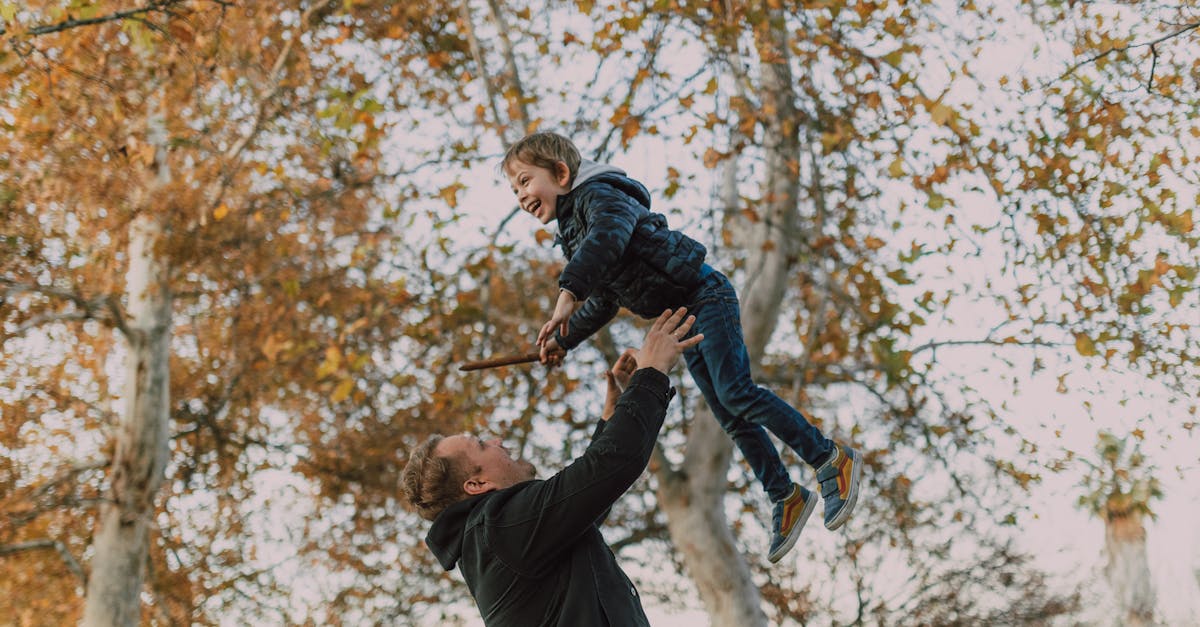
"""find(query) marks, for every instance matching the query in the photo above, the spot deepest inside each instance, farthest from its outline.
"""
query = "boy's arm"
(589, 318)
(611, 217)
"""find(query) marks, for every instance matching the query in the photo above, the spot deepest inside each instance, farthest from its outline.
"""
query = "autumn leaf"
(342, 391)
(449, 194)
(941, 114)
(1084, 345)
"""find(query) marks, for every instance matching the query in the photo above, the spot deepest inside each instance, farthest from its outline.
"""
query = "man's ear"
(562, 173)
(475, 486)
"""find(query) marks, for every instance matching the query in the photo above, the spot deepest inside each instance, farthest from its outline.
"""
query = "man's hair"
(544, 150)
(433, 483)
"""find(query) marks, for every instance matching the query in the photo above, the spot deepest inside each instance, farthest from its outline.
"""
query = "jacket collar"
(588, 170)
(446, 533)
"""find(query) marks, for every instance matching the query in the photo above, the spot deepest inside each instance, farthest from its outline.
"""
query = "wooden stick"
(496, 362)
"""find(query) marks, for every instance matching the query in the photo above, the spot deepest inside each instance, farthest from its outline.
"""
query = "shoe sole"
(790, 541)
(852, 498)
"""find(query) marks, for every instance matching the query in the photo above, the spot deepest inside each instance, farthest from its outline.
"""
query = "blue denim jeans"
(720, 366)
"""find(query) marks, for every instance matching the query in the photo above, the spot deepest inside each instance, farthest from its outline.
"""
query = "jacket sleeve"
(540, 523)
(611, 217)
(595, 312)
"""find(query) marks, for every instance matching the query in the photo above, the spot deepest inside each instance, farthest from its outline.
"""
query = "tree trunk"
(692, 496)
(1128, 569)
(123, 527)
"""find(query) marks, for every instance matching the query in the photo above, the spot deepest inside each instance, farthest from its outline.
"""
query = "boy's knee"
(739, 399)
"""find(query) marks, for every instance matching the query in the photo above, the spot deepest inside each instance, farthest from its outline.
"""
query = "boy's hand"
(551, 354)
(618, 379)
(663, 346)
(558, 322)
(622, 371)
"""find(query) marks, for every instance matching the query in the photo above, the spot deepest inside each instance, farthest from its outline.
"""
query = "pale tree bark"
(692, 496)
(123, 526)
(1128, 568)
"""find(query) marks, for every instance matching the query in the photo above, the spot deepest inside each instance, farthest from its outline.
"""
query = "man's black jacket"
(532, 554)
(619, 253)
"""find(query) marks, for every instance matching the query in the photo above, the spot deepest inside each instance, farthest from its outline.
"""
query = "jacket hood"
(612, 175)
(445, 536)
(590, 169)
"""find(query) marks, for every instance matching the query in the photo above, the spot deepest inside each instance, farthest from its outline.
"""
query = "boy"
(620, 254)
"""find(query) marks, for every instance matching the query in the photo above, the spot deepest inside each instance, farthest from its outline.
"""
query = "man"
(531, 551)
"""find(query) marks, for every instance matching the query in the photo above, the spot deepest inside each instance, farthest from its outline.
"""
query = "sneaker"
(839, 477)
(788, 519)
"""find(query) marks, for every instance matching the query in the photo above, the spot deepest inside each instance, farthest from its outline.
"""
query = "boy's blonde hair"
(544, 150)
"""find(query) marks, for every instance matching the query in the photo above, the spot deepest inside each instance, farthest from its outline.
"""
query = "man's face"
(497, 468)
(537, 189)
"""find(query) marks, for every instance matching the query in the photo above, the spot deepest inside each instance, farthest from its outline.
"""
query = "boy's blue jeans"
(720, 366)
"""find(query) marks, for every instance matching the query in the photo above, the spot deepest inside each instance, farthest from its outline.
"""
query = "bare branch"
(35, 545)
(477, 54)
(1150, 44)
(104, 308)
(265, 99)
(159, 6)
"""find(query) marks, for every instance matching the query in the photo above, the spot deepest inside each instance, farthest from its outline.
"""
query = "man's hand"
(551, 353)
(618, 379)
(622, 371)
(662, 346)
(558, 322)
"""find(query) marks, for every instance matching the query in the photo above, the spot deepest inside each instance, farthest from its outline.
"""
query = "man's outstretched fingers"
(691, 341)
(683, 327)
(661, 322)
(676, 316)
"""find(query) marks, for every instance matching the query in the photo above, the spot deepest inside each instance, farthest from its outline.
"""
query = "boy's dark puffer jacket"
(620, 254)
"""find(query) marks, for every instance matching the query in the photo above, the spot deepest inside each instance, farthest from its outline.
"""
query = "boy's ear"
(562, 173)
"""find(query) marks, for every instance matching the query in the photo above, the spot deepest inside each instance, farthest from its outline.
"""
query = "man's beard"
(527, 470)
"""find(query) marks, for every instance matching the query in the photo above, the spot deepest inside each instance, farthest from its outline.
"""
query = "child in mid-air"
(620, 254)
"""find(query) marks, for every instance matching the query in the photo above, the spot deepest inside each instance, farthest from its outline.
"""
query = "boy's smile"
(537, 188)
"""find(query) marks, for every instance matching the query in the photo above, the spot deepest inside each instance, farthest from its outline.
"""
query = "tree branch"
(46, 543)
(135, 13)
(1150, 44)
(104, 308)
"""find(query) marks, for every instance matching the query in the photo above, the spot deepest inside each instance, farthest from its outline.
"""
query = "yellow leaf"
(356, 326)
(896, 169)
(333, 360)
(1084, 345)
(342, 391)
(941, 114)
(542, 236)
(220, 212)
(450, 194)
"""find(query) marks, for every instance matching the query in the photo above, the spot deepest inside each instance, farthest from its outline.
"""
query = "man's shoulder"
(496, 502)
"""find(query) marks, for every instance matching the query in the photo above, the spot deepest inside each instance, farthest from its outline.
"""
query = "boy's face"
(537, 189)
